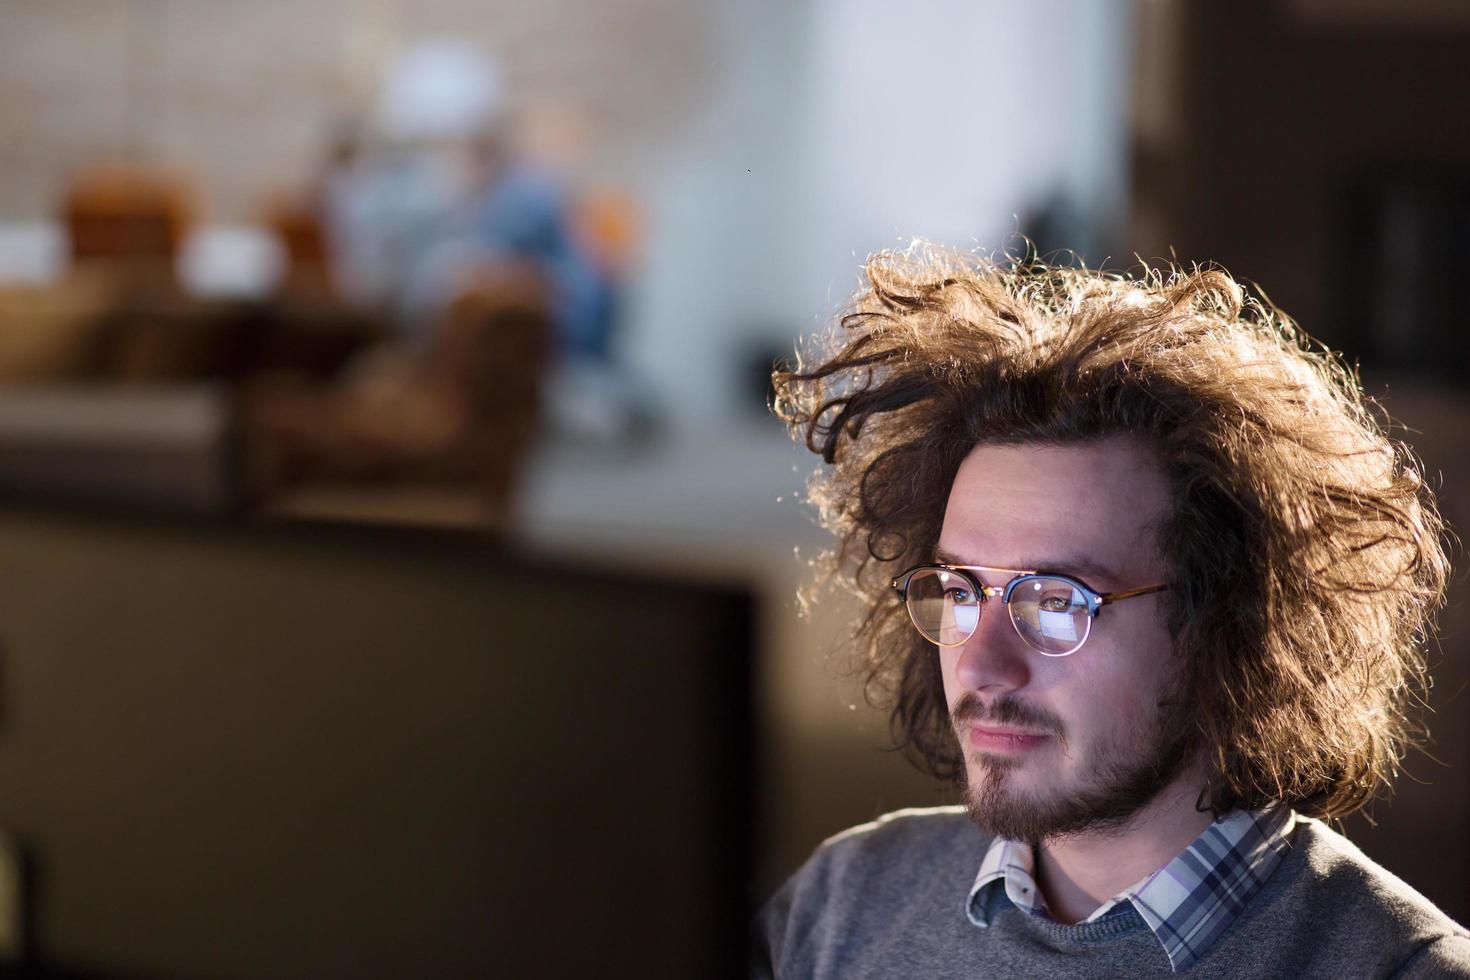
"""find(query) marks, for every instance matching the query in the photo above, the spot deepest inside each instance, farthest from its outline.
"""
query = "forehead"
(1059, 508)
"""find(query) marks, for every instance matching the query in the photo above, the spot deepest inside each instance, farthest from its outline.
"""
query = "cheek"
(949, 658)
(1102, 694)
(1118, 696)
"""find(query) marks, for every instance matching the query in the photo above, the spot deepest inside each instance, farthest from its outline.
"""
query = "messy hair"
(1304, 550)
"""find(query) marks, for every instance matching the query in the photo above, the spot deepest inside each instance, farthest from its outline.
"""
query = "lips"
(999, 738)
(1006, 725)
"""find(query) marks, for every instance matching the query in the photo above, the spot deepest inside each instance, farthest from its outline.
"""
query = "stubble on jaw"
(1118, 781)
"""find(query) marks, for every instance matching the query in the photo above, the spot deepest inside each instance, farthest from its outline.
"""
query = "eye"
(1055, 603)
(957, 595)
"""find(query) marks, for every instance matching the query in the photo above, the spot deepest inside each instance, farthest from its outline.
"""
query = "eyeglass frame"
(1095, 599)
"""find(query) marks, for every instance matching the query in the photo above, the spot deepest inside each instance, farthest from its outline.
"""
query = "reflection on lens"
(1050, 614)
(943, 605)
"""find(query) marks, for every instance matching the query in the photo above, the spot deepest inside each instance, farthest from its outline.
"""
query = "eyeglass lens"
(1050, 614)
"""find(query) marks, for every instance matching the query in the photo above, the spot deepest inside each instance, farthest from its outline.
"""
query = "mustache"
(970, 710)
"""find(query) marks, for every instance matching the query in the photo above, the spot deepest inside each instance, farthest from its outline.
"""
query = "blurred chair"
(127, 223)
(465, 413)
(133, 213)
(53, 334)
(298, 223)
(494, 351)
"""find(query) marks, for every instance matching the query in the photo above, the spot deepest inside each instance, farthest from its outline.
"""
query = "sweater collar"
(1187, 904)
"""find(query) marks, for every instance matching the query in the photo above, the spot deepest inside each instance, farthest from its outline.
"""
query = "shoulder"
(901, 836)
(1448, 956)
(1350, 897)
(1360, 886)
(860, 882)
(892, 855)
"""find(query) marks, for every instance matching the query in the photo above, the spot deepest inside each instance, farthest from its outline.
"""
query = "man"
(1147, 580)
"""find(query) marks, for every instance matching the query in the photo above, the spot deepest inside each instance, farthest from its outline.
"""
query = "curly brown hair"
(1306, 553)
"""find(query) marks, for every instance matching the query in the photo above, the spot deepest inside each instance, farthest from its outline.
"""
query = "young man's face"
(1055, 745)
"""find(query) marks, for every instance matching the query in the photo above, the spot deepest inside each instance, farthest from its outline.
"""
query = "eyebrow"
(1078, 565)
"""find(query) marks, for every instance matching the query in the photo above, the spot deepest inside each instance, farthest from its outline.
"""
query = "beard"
(1119, 779)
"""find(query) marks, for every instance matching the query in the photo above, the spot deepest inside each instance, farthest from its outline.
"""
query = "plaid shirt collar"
(1188, 903)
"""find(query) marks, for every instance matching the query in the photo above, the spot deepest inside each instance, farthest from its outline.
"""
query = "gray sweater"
(887, 900)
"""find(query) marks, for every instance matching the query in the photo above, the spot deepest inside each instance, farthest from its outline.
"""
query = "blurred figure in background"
(438, 195)
(475, 258)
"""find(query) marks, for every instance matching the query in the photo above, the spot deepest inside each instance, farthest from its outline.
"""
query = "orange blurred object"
(297, 221)
(607, 222)
(129, 211)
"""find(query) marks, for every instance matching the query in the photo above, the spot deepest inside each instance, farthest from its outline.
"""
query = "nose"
(994, 660)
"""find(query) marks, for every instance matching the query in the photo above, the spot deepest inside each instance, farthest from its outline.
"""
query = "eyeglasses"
(1052, 613)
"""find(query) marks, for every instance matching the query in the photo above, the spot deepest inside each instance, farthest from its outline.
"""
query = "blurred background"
(398, 561)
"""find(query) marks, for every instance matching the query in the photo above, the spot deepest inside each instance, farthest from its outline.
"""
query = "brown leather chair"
(297, 223)
(129, 212)
(465, 413)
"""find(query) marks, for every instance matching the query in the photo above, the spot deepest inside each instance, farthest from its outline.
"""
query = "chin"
(999, 802)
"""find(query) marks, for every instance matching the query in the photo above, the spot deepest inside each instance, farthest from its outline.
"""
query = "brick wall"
(243, 93)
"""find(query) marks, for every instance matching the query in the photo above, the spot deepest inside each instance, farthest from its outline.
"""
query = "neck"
(1079, 872)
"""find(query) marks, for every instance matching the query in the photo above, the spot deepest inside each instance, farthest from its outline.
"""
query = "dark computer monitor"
(307, 752)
